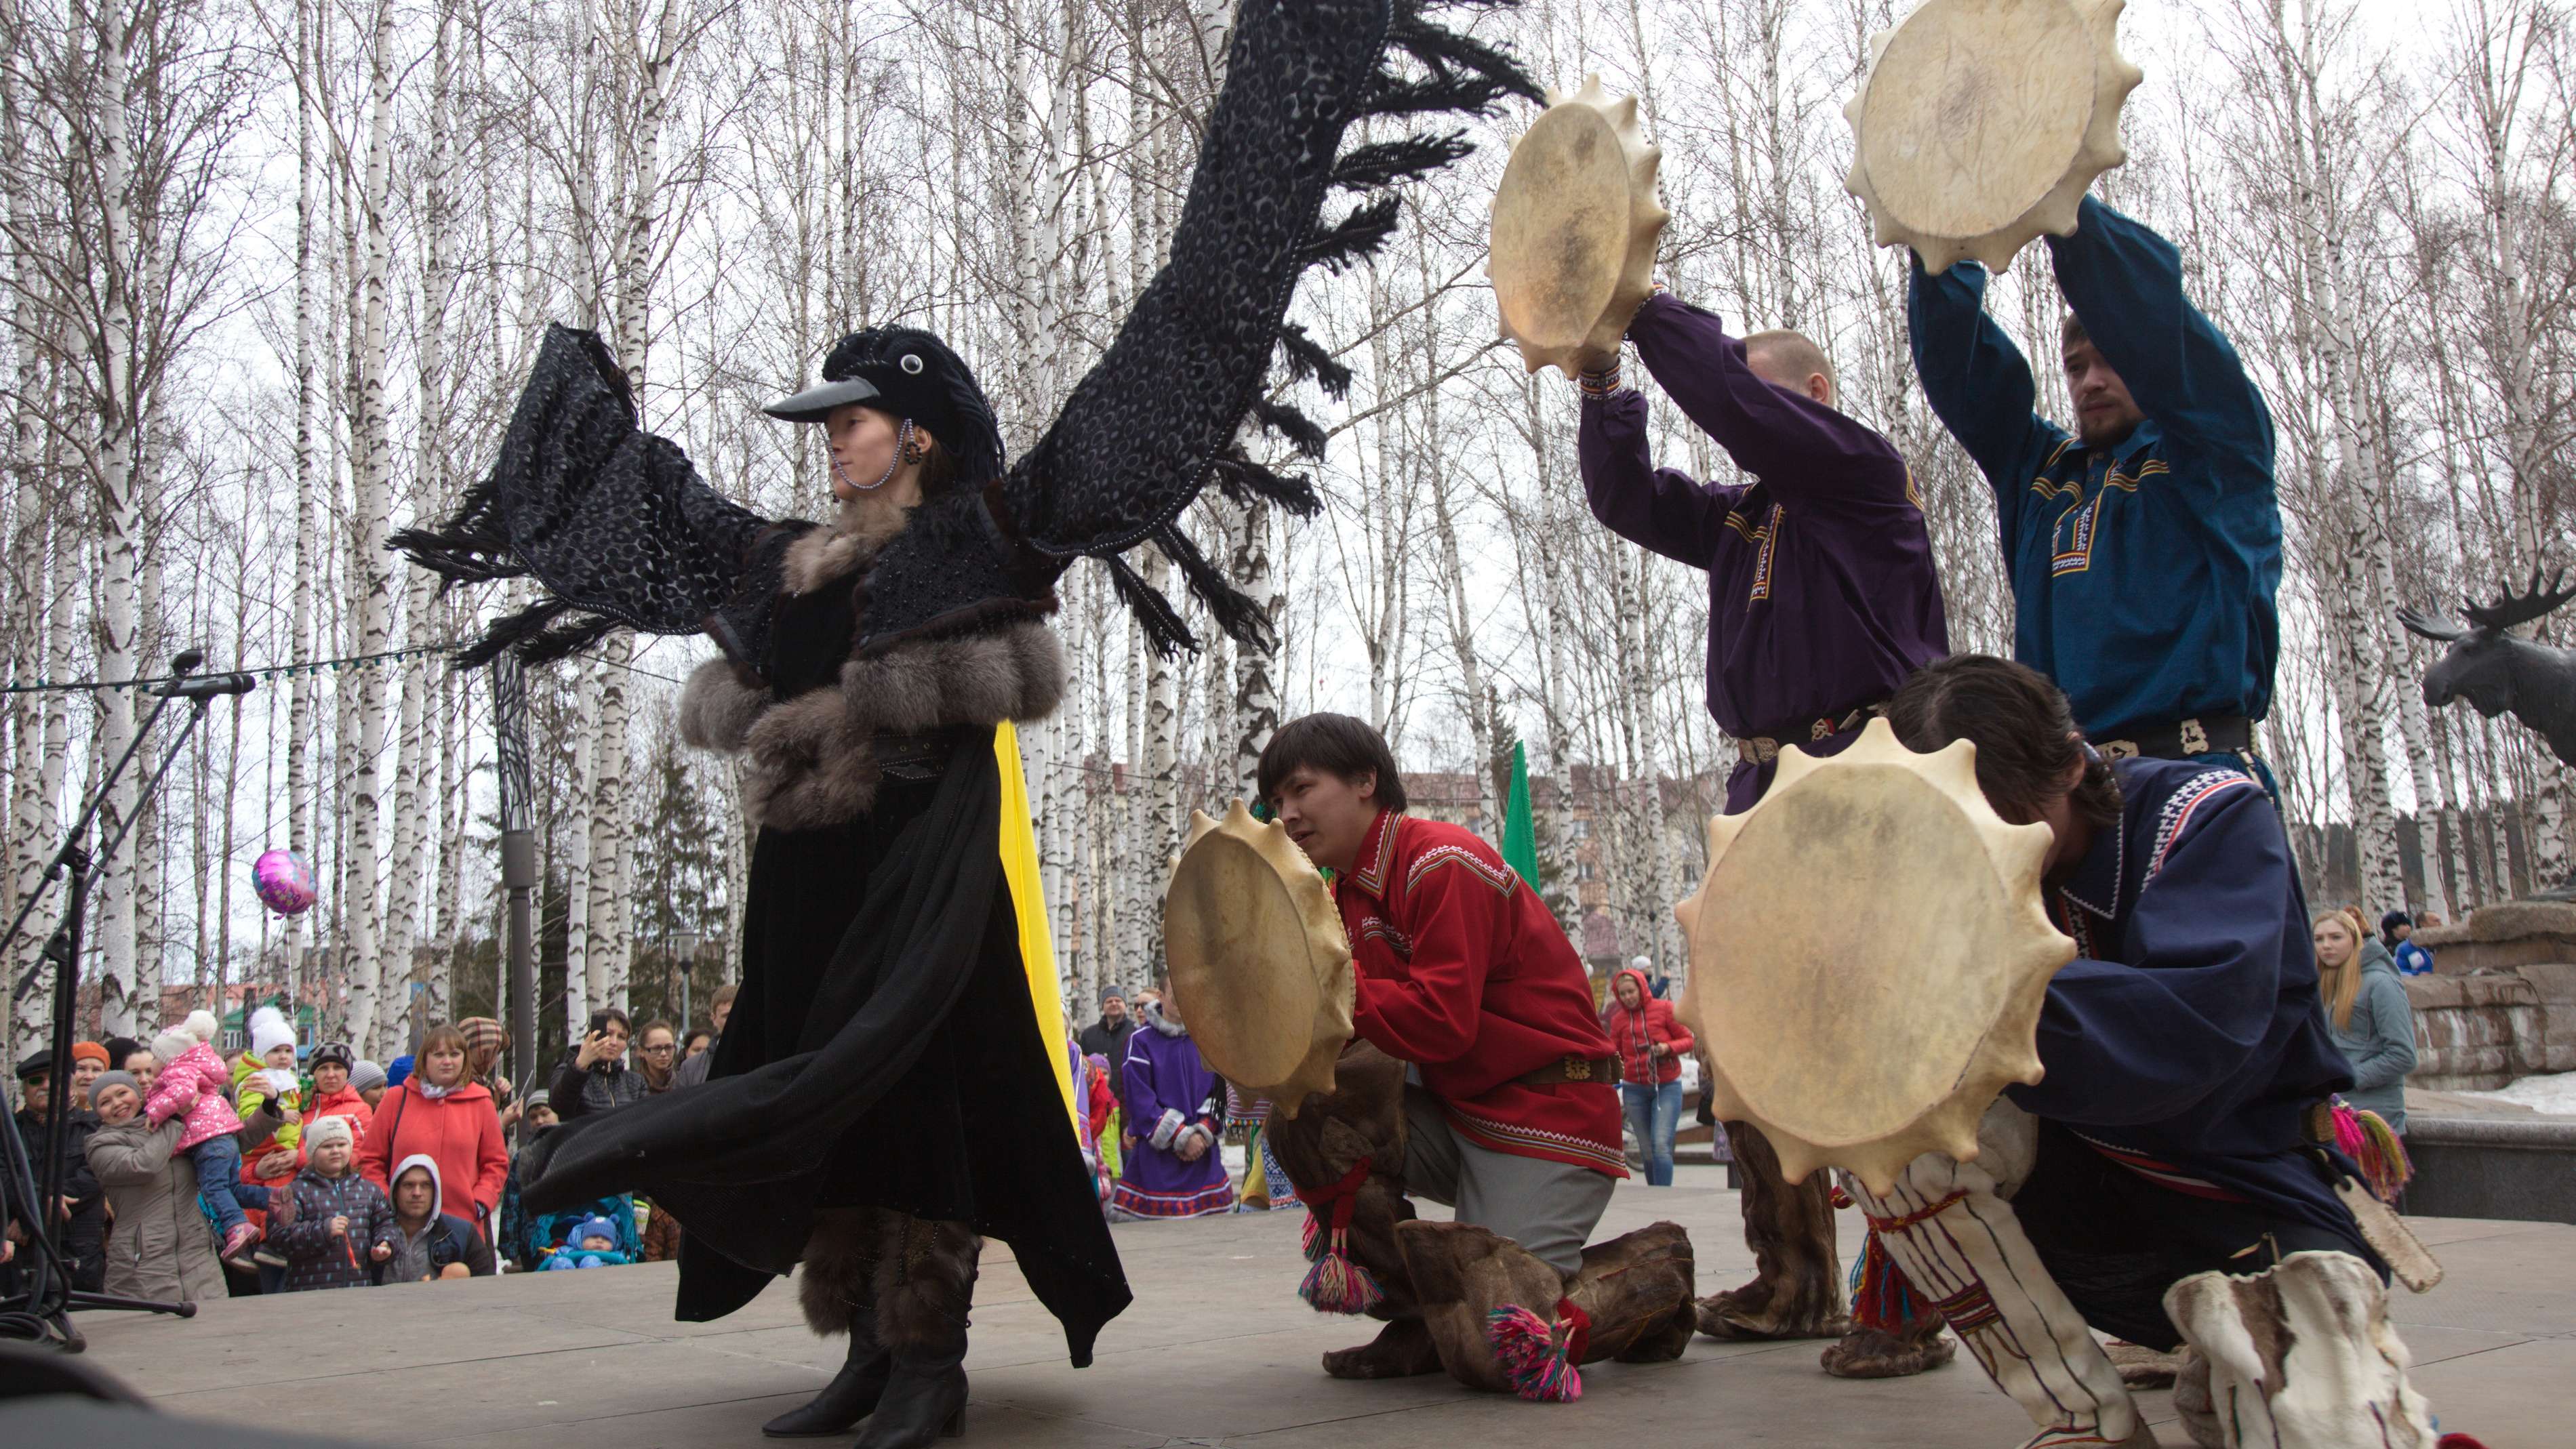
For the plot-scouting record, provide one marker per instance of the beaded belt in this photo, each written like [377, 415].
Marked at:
[1763, 749]
[2210, 734]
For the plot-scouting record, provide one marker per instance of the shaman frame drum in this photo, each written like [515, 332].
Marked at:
[1575, 222]
[1261, 968]
[1869, 953]
[1981, 123]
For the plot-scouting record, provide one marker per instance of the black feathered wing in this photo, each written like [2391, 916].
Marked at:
[613, 521]
[1157, 419]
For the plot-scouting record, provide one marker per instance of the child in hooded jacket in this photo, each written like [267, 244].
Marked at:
[192, 1086]
[334, 1228]
[592, 1243]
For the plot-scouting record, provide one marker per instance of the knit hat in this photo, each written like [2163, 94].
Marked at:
[171, 1042]
[2393, 920]
[481, 1032]
[321, 1132]
[591, 1228]
[90, 1051]
[536, 1099]
[37, 1063]
[366, 1074]
[398, 1070]
[334, 1051]
[105, 1080]
[269, 1030]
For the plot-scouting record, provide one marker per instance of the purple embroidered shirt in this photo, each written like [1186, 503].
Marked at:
[1821, 592]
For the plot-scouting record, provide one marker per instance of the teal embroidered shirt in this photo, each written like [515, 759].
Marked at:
[2143, 573]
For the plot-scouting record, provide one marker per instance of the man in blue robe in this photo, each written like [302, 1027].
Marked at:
[2176, 1131]
[2144, 547]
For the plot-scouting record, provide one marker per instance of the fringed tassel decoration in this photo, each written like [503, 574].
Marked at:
[2366, 1138]
[1541, 1359]
[1336, 1284]
[1880, 1296]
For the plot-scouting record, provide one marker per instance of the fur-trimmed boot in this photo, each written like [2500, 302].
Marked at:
[1797, 1287]
[1506, 1322]
[925, 1283]
[2300, 1356]
[837, 1288]
[1895, 1331]
[1344, 1151]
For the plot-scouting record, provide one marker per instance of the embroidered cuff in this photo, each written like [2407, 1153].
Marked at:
[1599, 384]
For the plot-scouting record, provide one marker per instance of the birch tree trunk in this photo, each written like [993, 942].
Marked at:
[119, 517]
[372, 1019]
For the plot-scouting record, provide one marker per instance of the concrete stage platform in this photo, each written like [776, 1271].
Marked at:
[1216, 1350]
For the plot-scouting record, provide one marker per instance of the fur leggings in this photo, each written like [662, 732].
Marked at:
[906, 1282]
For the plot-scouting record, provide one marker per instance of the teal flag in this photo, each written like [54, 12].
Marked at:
[1520, 833]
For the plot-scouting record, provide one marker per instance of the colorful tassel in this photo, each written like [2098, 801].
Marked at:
[1539, 1358]
[1880, 1296]
[1336, 1284]
[2366, 1138]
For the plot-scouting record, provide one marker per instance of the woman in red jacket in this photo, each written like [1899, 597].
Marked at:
[1651, 1042]
[441, 1111]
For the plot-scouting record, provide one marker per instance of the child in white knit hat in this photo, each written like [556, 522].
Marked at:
[192, 1084]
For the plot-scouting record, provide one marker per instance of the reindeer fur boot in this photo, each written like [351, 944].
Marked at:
[1344, 1150]
[1505, 1322]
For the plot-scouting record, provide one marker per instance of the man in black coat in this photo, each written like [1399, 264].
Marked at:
[84, 1239]
[1108, 1036]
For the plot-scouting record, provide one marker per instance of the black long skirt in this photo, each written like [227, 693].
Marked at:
[883, 1052]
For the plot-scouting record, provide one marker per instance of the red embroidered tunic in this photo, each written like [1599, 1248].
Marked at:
[1462, 971]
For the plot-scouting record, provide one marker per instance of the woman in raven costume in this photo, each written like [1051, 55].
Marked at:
[888, 1019]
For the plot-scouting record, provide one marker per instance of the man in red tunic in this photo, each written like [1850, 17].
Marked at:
[1510, 1107]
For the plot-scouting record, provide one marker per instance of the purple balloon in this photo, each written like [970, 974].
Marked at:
[284, 882]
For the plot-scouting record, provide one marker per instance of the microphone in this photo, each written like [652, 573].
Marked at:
[207, 686]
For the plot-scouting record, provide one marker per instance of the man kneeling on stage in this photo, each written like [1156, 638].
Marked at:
[1481, 1078]
[2166, 1181]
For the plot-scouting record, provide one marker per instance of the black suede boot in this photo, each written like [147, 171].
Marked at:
[924, 1400]
[849, 1397]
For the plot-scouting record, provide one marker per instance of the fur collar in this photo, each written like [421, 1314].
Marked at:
[812, 758]
[1162, 1021]
[820, 555]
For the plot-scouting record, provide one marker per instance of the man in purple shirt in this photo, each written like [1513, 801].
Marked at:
[1821, 600]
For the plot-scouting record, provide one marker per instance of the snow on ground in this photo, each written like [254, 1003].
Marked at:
[2554, 1093]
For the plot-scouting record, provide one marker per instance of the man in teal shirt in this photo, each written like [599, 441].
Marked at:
[2144, 547]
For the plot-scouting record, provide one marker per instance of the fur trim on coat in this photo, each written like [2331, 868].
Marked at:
[813, 758]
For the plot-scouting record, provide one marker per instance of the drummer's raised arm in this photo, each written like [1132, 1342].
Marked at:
[1803, 446]
[1977, 381]
[2124, 284]
[1663, 509]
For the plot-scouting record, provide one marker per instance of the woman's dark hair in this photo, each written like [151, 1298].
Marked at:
[2022, 727]
[695, 1035]
[938, 465]
[1338, 745]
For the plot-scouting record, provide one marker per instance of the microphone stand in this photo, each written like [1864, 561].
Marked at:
[39, 1312]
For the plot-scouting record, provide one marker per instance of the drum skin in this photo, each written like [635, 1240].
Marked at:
[1869, 954]
[1574, 228]
[1261, 969]
[1981, 124]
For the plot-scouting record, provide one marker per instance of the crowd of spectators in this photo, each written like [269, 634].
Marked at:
[187, 1175]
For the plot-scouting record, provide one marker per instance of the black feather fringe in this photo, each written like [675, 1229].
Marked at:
[1353, 237]
[1299, 429]
[537, 635]
[1307, 358]
[1245, 481]
[1388, 163]
[1164, 631]
[1236, 612]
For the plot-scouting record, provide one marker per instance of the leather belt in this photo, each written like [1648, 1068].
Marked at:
[1763, 749]
[914, 757]
[1604, 1070]
[2207, 735]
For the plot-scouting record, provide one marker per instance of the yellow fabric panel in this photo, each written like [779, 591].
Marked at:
[1028, 901]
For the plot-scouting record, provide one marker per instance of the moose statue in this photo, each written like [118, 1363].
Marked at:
[2499, 671]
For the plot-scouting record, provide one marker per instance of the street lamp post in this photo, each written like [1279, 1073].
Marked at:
[684, 947]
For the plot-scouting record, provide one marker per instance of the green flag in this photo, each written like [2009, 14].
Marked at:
[1520, 833]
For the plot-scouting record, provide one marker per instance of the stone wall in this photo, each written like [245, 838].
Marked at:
[2501, 1002]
